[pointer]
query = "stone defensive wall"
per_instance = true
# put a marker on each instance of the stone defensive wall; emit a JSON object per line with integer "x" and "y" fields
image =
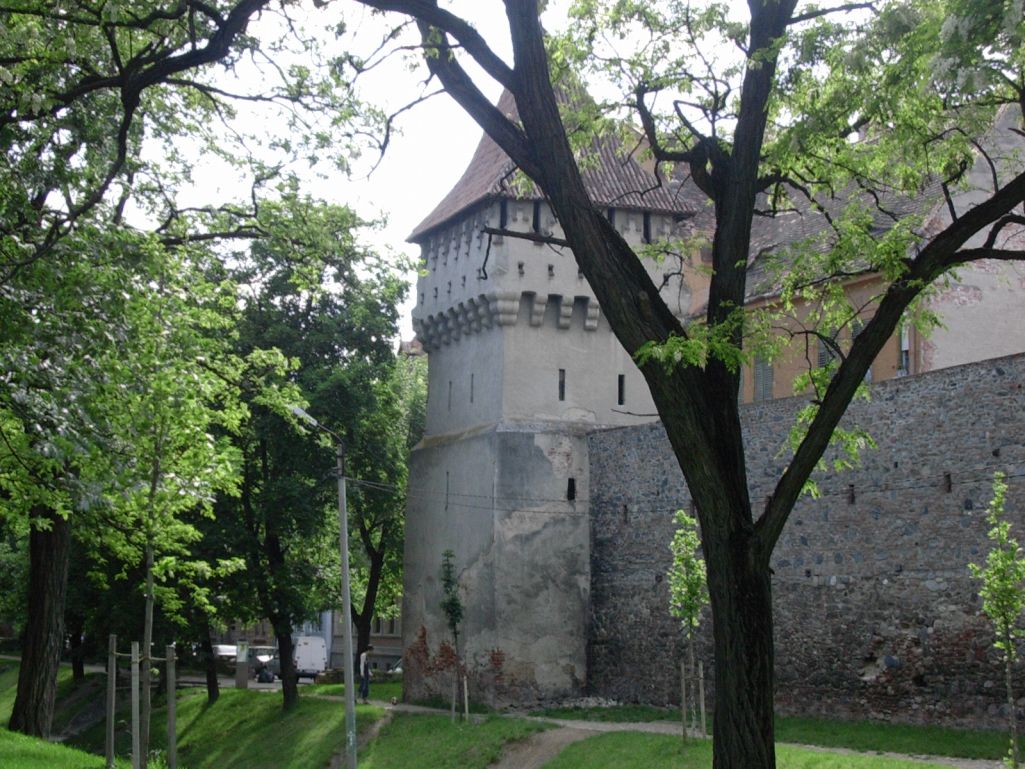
{"x": 876, "y": 614}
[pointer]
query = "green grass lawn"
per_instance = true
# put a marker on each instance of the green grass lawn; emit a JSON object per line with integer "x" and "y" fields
{"x": 8, "y": 688}
{"x": 20, "y": 752}
{"x": 895, "y": 738}
{"x": 434, "y": 741}
{"x": 249, "y": 730}
{"x": 632, "y": 750}
{"x": 854, "y": 735}
{"x": 378, "y": 691}
{"x": 245, "y": 729}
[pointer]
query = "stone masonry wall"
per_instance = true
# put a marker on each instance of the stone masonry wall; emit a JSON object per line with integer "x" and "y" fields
{"x": 876, "y": 614}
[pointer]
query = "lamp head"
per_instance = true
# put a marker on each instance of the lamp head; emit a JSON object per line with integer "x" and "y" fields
{"x": 299, "y": 412}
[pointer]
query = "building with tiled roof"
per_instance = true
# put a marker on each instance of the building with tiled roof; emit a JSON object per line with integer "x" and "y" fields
{"x": 523, "y": 366}
{"x": 613, "y": 179}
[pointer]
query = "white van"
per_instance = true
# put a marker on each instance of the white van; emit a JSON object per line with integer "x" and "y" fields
{"x": 310, "y": 655}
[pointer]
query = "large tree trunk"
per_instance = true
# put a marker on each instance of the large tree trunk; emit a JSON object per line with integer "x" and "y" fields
{"x": 741, "y": 599}
{"x": 286, "y": 656}
{"x": 697, "y": 404}
{"x": 213, "y": 687}
{"x": 363, "y": 620}
{"x": 49, "y": 552}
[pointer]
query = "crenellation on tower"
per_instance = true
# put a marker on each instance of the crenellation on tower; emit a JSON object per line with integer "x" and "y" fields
{"x": 483, "y": 312}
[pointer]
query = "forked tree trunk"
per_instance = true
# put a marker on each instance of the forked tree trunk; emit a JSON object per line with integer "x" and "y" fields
{"x": 363, "y": 619}
{"x": 49, "y": 552}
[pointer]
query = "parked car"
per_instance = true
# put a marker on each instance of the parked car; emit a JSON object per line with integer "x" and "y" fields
{"x": 225, "y": 652}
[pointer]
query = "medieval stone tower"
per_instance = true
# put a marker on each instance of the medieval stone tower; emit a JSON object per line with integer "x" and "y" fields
{"x": 521, "y": 366}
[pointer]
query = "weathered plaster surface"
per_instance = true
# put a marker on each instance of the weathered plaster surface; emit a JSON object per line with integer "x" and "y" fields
{"x": 521, "y": 552}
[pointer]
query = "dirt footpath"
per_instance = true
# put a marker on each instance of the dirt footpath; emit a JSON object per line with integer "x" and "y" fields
{"x": 538, "y": 749}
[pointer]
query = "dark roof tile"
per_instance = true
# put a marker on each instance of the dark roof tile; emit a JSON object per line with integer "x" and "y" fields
{"x": 616, "y": 179}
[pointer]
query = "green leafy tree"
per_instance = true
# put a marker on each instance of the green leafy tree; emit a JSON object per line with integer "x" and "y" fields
{"x": 95, "y": 101}
{"x": 688, "y": 596}
{"x": 166, "y": 402}
{"x": 13, "y": 577}
{"x": 56, "y": 326}
{"x": 391, "y": 424}
{"x": 92, "y": 92}
{"x": 1003, "y": 597}
{"x": 311, "y": 291}
{"x": 763, "y": 112}
{"x": 452, "y": 606}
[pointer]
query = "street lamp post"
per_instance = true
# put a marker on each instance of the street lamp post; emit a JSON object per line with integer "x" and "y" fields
{"x": 343, "y": 545}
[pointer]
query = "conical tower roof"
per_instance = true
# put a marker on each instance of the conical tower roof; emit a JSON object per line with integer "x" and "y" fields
{"x": 616, "y": 179}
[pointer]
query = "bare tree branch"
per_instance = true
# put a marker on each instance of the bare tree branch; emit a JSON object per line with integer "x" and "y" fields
{"x": 468, "y": 38}
{"x": 938, "y": 255}
{"x": 820, "y": 12}
{"x": 531, "y": 236}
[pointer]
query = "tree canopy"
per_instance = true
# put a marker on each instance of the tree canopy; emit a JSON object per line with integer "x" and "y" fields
{"x": 123, "y": 387}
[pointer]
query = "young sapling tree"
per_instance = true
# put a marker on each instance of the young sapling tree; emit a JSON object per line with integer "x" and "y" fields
{"x": 453, "y": 608}
{"x": 688, "y": 594}
{"x": 1003, "y": 596}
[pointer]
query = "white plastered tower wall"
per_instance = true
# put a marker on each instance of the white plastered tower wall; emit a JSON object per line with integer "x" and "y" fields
{"x": 521, "y": 366}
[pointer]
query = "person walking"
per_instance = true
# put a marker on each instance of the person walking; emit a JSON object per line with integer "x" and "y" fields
{"x": 364, "y": 674}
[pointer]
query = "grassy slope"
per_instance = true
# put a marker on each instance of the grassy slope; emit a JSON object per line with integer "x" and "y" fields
{"x": 8, "y": 688}
{"x": 625, "y": 750}
{"x": 246, "y": 729}
{"x": 20, "y": 752}
{"x": 895, "y": 738}
{"x": 68, "y": 692}
{"x": 378, "y": 691}
{"x": 435, "y": 742}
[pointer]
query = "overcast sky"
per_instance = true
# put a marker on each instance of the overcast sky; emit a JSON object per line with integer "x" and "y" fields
{"x": 435, "y": 142}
